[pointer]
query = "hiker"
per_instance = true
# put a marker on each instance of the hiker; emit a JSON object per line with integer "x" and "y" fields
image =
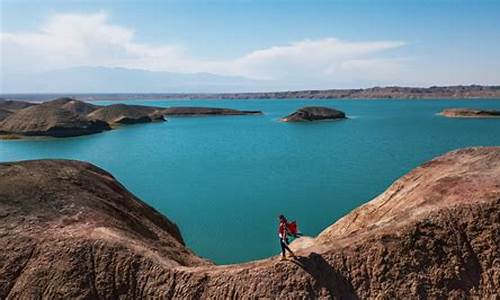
{"x": 283, "y": 234}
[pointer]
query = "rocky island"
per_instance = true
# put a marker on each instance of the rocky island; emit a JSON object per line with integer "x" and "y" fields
{"x": 65, "y": 117}
{"x": 314, "y": 113}
{"x": 70, "y": 230}
{"x": 206, "y": 111}
{"x": 470, "y": 113}
{"x": 54, "y": 118}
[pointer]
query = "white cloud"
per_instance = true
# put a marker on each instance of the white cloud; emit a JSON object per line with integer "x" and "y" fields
{"x": 314, "y": 57}
{"x": 68, "y": 40}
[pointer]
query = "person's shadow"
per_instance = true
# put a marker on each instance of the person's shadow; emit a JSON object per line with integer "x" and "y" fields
{"x": 326, "y": 277}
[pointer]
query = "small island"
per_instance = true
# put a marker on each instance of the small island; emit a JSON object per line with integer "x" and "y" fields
{"x": 206, "y": 111}
{"x": 314, "y": 113}
{"x": 470, "y": 113}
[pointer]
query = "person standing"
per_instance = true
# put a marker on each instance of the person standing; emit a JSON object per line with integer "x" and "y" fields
{"x": 283, "y": 235}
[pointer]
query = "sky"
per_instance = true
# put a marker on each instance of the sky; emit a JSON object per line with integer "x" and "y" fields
{"x": 316, "y": 44}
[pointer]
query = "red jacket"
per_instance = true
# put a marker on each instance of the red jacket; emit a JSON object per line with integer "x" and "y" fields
{"x": 282, "y": 230}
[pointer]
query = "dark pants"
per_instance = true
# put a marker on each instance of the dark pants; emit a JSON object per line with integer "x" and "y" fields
{"x": 284, "y": 246}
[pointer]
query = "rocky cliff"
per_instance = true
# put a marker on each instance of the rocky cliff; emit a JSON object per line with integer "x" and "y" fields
{"x": 70, "y": 230}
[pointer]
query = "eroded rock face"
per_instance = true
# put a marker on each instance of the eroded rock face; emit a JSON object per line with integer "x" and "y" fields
{"x": 470, "y": 113}
{"x": 208, "y": 111}
{"x": 68, "y": 229}
{"x": 314, "y": 113}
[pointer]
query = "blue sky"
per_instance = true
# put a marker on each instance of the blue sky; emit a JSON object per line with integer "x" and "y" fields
{"x": 322, "y": 44}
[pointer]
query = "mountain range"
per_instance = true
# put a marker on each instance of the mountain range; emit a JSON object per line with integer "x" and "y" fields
{"x": 123, "y": 80}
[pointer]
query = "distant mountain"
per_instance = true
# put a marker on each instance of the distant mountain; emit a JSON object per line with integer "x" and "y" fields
{"x": 122, "y": 80}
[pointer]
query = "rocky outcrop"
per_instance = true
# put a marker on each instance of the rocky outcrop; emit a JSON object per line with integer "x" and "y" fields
{"x": 314, "y": 113}
{"x": 52, "y": 118}
{"x": 206, "y": 111}
{"x": 470, "y": 113}
{"x": 119, "y": 114}
{"x": 69, "y": 229}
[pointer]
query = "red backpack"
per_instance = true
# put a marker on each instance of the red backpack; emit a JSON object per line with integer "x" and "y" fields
{"x": 292, "y": 228}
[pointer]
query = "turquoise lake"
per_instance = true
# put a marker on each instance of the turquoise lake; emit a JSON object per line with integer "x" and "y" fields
{"x": 224, "y": 180}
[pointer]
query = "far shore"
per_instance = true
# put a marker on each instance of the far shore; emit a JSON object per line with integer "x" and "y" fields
{"x": 473, "y": 92}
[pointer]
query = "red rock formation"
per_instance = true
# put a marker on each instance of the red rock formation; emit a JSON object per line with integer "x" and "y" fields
{"x": 69, "y": 230}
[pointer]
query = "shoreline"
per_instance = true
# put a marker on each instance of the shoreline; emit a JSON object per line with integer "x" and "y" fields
{"x": 374, "y": 93}
{"x": 43, "y": 98}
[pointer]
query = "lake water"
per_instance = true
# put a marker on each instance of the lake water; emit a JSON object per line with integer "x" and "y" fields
{"x": 224, "y": 180}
